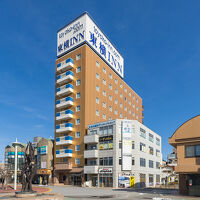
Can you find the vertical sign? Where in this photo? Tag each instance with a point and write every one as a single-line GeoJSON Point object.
{"type": "Point", "coordinates": [126, 145]}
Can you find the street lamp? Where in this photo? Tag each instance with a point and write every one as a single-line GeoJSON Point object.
{"type": "Point", "coordinates": [15, 144]}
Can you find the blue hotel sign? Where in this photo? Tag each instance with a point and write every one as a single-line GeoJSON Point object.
{"type": "Point", "coordinates": [84, 30]}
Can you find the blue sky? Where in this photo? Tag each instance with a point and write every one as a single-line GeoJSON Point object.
{"type": "Point", "coordinates": [159, 40]}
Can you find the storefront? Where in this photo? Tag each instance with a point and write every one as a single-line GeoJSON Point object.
{"type": "Point", "coordinates": [42, 176]}
{"type": "Point", "coordinates": [105, 177]}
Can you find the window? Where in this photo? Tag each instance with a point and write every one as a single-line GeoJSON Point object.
{"type": "Point", "coordinates": [121, 85]}
{"type": "Point", "coordinates": [97, 100]}
{"type": "Point", "coordinates": [125, 98]}
{"type": "Point", "coordinates": [104, 116]}
{"type": "Point", "coordinates": [137, 108]}
{"type": "Point", "coordinates": [120, 161]}
{"type": "Point", "coordinates": [78, 121]}
{"type": "Point", "coordinates": [116, 91]}
{"type": "Point", "coordinates": [106, 161]}
{"type": "Point", "coordinates": [78, 108]}
{"type": "Point", "coordinates": [120, 115]}
{"type": "Point", "coordinates": [137, 100]}
{"type": "Point", "coordinates": [104, 70]}
{"type": "Point", "coordinates": [110, 97]}
{"type": "Point", "coordinates": [192, 151]}
{"type": "Point", "coordinates": [110, 108]}
{"type": "Point", "coordinates": [104, 93]}
{"type": "Point", "coordinates": [125, 89]}
{"type": "Point", "coordinates": [133, 97]}
{"type": "Point", "coordinates": [120, 95]}
{"type": "Point", "coordinates": [78, 95]}
{"type": "Point", "coordinates": [129, 102]}
{"type": "Point", "coordinates": [115, 81]}
{"type": "Point", "coordinates": [136, 116]}
{"type": "Point", "coordinates": [142, 147]}
{"type": "Point", "coordinates": [157, 165]}
{"type": "Point", "coordinates": [133, 161]}
{"type": "Point", "coordinates": [120, 105]}
{"type": "Point", "coordinates": [97, 64]}
{"type": "Point", "coordinates": [133, 114]}
{"type": "Point", "coordinates": [78, 57]}
{"type": "Point", "coordinates": [157, 153]}
{"type": "Point", "coordinates": [77, 161]}
{"type": "Point", "coordinates": [133, 145]}
{"type": "Point", "coordinates": [150, 137]}
{"type": "Point", "coordinates": [129, 93]}
{"type": "Point", "coordinates": [97, 88]}
{"type": "Point", "coordinates": [133, 106]}
{"type": "Point", "coordinates": [115, 112]}
{"type": "Point", "coordinates": [110, 86]}
{"type": "Point", "coordinates": [158, 141]}
{"type": "Point", "coordinates": [78, 69]}
{"type": "Point", "coordinates": [77, 148]}
{"type": "Point", "coordinates": [110, 118]}
{"type": "Point", "coordinates": [120, 145]}
{"type": "Point", "coordinates": [104, 81]}
{"type": "Point", "coordinates": [104, 104]}
{"type": "Point", "coordinates": [110, 130]}
{"type": "Point", "coordinates": [150, 163]}
{"type": "Point", "coordinates": [125, 108]}
{"type": "Point", "coordinates": [142, 162]}
{"type": "Point", "coordinates": [129, 111]}
{"type": "Point", "coordinates": [142, 133]}
{"type": "Point", "coordinates": [97, 75]}
{"type": "Point", "coordinates": [110, 76]}
{"type": "Point", "coordinates": [78, 82]}
{"type": "Point", "coordinates": [115, 101]}
{"type": "Point", "coordinates": [97, 112]}
{"type": "Point", "coordinates": [78, 134]}
{"type": "Point", "coordinates": [151, 150]}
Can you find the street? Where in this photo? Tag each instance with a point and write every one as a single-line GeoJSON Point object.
{"type": "Point", "coordinates": [75, 193]}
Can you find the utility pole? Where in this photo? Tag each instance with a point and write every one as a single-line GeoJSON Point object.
{"type": "Point", "coordinates": [15, 144]}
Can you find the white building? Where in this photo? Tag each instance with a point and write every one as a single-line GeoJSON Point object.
{"type": "Point", "coordinates": [120, 153]}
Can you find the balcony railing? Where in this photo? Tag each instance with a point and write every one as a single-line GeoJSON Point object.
{"type": "Point", "coordinates": [66, 114]}
{"type": "Point", "coordinates": [64, 140]}
{"type": "Point", "coordinates": [65, 89]}
{"type": "Point", "coordinates": [91, 154]}
{"type": "Point", "coordinates": [91, 169]}
{"type": "Point", "coordinates": [64, 153]}
{"type": "Point", "coordinates": [64, 127]}
{"type": "Point", "coordinates": [65, 65]}
{"type": "Point", "coordinates": [65, 77]}
{"type": "Point", "coordinates": [68, 101]}
{"type": "Point", "coordinates": [63, 166]}
{"type": "Point", "coordinates": [91, 139]}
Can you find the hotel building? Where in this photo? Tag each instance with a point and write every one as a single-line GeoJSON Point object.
{"type": "Point", "coordinates": [118, 151]}
{"type": "Point", "coordinates": [89, 89]}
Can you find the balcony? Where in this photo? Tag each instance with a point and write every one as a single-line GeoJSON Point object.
{"type": "Point", "coordinates": [64, 127]}
{"type": "Point", "coordinates": [91, 154]}
{"type": "Point", "coordinates": [91, 169]}
{"type": "Point", "coordinates": [65, 65]}
{"type": "Point", "coordinates": [66, 114]}
{"type": "Point", "coordinates": [64, 153]}
{"type": "Point", "coordinates": [64, 90]}
{"type": "Point", "coordinates": [63, 166]}
{"type": "Point", "coordinates": [91, 139]}
{"type": "Point", "coordinates": [65, 102]}
{"type": "Point", "coordinates": [172, 156]}
{"type": "Point", "coordinates": [64, 140]}
{"type": "Point", "coordinates": [65, 77]}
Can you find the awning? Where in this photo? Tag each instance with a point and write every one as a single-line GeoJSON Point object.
{"type": "Point", "coordinates": [76, 170]}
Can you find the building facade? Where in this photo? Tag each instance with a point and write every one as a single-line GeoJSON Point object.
{"type": "Point", "coordinates": [44, 149]}
{"type": "Point", "coordinates": [10, 160]}
{"type": "Point", "coordinates": [119, 151]}
{"type": "Point", "coordinates": [89, 89]}
{"type": "Point", "coordinates": [186, 140]}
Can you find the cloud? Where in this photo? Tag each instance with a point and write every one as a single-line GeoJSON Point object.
{"type": "Point", "coordinates": [39, 126]}
{"type": "Point", "coordinates": [42, 117]}
{"type": "Point", "coordinates": [28, 109]}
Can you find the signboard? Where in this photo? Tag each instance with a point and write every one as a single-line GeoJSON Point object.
{"type": "Point", "coordinates": [105, 138]}
{"type": "Point", "coordinates": [84, 30]}
{"type": "Point", "coordinates": [43, 165]}
{"type": "Point", "coordinates": [126, 145]}
{"type": "Point", "coordinates": [105, 170]}
{"type": "Point", "coordinates": [126, 181]}
{"type": "Point", "coordinates": [43, 150]}
{"type": "Point", "coordinates": [44, 171]}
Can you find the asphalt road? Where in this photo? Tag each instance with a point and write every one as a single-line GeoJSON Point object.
{"type": "Point", "coordinates": [75, 193]}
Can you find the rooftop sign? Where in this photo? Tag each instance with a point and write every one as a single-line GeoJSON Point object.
{"type": "Point", "coordinates": [84, 30]}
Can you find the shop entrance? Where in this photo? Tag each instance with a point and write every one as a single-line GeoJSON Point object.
{"type": "Point", "coordinates": [106, 180]}
{"type": "Point", "coordinates": [75, 179]}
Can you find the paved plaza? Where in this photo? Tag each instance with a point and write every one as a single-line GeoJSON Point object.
{"type": "Point", "coordinates": [75, 193]}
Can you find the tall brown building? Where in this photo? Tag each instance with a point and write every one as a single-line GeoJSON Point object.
{"type": "Point", "coordinates": [186, 140]}
{"type": "Point", "coordinates": [89, 89]}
